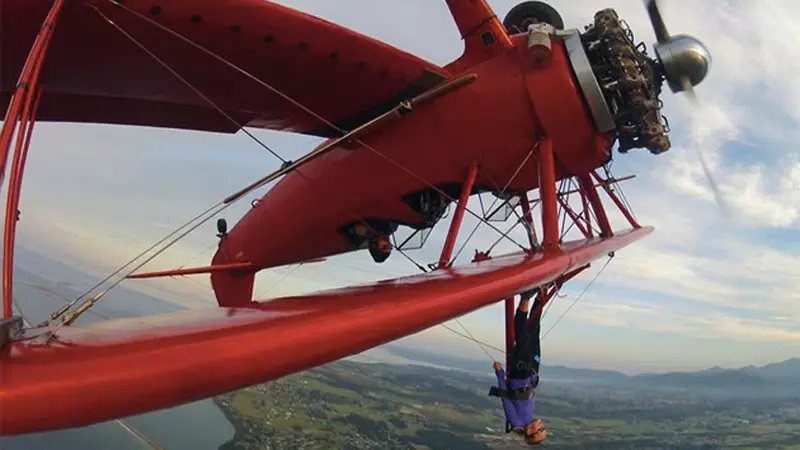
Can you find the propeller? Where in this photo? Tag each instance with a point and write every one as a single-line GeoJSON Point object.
{"type": "Point", "coordinates": [685, 62]}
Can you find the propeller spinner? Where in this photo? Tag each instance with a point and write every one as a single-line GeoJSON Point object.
{"type": "Point", "coordinates": [685, 61]}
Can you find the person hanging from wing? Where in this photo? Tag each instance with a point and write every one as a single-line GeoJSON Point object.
{"type": "Point", "coordinates": [517, 391]}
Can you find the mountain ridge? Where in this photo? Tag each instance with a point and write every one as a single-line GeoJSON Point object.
{"type": "Point", "coordinates": [780, 378]}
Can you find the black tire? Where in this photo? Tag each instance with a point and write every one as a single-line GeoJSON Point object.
{"type": "Point", "coordinates": [525, 11]}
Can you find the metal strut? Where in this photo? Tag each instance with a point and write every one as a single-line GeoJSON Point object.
{"type": "Point", "coordinates": [547, 193]}
{"type": "Point", "coordinates": [21, 109]}
{"type": "Point", "coordinates": [510, 307]}
{"type": "Point", "coordinates": [458, 216]}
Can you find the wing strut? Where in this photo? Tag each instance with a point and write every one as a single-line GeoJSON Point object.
{"type": "Point", "coordinates": [21, 108]}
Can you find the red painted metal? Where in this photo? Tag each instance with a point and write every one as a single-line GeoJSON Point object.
{"type": "Point", "coordinates": [12, 201]}
{"type": "Point", "coordinates": [117, 368]}
{"type": "Point", "coordinates": [588, 187]}
{"type": "Point", "coordinates": [474, 18]}
{"type": "Point", "coordinates": [572, 215]}
{"type": "Point", "coordinates": [458, 216]}
{"type": "Point", "coordinates": [257, 36]}
{"type": "Point", "coordinates": [527, 215]}
{"type": "Point", "coordinates": [547, 192]}
{"type": "Point", "coordinates": [495, 108]}
{"type": "Point", "coordinates": [20, 109]}
{"type": "Point", "coordinates": [98, 372]}
{"type": "Point", "coordinates": [575, 191]}
{"type": "Point", "coordinates": [27, 78]}
{"type": "Point", "coordinates": [369, 185]}
{"type": "Point", "coordinates": [615, 199]}
{"type": "Point", "coordinates": [587, 213]}
{"type": "Point", "coordinates": [555, 288]}
{"type": "Point", "coordinates": [246, 266]}
{"type": "Point", "coordinates": [509, 310]}
{"type": "Point", "coordinates": [501, 109]}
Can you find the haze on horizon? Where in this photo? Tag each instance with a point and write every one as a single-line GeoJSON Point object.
{"type": "Point", "coordinates": [703, 290]}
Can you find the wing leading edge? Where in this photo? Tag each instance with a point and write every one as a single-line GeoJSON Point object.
{"type": "Point", "coordinates": [93, 73]}
{"type": "Point", "coordinates": [117, 368]}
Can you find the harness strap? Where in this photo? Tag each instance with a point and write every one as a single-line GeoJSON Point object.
{"type": "Point", "coordinates": [525, 393]}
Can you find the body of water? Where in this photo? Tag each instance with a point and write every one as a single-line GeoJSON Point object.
{"type": "Point", "coordinates": [196, 426]}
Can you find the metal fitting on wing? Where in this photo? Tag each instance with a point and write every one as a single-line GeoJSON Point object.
{"type": "Point", "coordinates": [540, 43]}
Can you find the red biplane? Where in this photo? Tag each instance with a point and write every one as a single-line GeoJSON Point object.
{"type": "Point", "coordinates": [528, 105]}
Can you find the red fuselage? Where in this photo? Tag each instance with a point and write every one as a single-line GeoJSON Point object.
{"type": "Point", "coordinates": [494, 121]}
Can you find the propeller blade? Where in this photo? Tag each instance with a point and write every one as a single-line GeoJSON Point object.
{"type": "Point", "coordinates": [712, 184]}
{"type": "Point", "coordinates": [659, 27]}
{"type": "Point", "coordinates": [692, 96]}
{"type": "Point", "coordinates": [688, 90]}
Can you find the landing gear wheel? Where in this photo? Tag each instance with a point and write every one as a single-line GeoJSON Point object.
{"type": "Point", "coordinates": [526, 13]}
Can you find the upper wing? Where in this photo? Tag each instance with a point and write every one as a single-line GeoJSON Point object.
{"type": "Point", "coordinates": [94, 73]}
{"type": "Point", "coordinates": [97, 372]}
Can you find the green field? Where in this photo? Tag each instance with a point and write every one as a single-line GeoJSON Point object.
{"type": "Point", "coordinates": [355, 406]}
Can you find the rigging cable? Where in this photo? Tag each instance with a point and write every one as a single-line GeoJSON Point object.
{"type": "Point", "coordinates": [496, 198]}
{"type": "Point", "coordinates": [285, 275]}
{"type": "Point", "coordinates": [70, 304]}
{"type": "Point", "coordinates": [127, 427]}
{"type": "Point", "coordinates": [585, 288]}
{"type": "Point", "coordinates": [214, 210]}
{"type": "Point", "coordinates": [618, 185]}
{"type": "Point", "coordinates": [327, 122]}
{"type": "Point", "coordinates": [221, 111]}
{"type": "Point", "coordinates": [484, 344]}
{"type": "Point", "coordinates": [218, 208]}
{"type": "Point", "coordinates": [475, 340]}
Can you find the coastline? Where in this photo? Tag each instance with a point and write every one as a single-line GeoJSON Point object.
{"type": "Point", "coordinates": [238, 429]}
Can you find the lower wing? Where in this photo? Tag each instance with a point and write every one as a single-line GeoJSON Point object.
{"type": "Point", "coordinates": [97, 372]}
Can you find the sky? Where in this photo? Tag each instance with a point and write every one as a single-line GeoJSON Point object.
{"type": "Point", "coordinates": [707, 288]}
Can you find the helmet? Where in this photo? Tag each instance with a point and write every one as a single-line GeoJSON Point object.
{"type": "Point", "coordinates": [535, 432]}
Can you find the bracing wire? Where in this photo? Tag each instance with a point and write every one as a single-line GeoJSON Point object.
{"type": "Point", "coordinates": [285, 275]}
{"type": "Point", "coordinates": [216, 209]}
{"type": "Point", "coordinates": [484, 344]}
{"type": "Point", "coordinates": [127, 427]}
{"type": "Point", "coordinates": [585, 289]}
{"type": "Point", "coordinates": [497, 197]}
{"type": "Point", "coordinates": [299, 105]}
{"type": "Point", "coordinates": [480, 345]}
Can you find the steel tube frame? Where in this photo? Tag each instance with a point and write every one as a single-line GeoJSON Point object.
{"type": "Point", "coordinates": [510, 311]}
{"type": "Point", "coordinates": [624, 210]}
{"type": "Point", "coordinates": [574, 216]}
{"type": "Point", "coordinates": [528, 215]}
{"type": "Point", "coordinates": [548, 195]}
{"type": "Point", "coordinates": [458, 216]}
{"type": "Point", "coordinates": [588, 187]}
{"type": "Point", "coordinates": [20, 109]}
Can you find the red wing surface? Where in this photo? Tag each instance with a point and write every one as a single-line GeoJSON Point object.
{"type": "Point", "coordinates": [102, 371]}
{"type": "Point", "coordinates": [94, 73]}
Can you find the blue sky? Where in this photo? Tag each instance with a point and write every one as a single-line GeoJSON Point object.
{"type": "Point", "coordinates": [705, 289]}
